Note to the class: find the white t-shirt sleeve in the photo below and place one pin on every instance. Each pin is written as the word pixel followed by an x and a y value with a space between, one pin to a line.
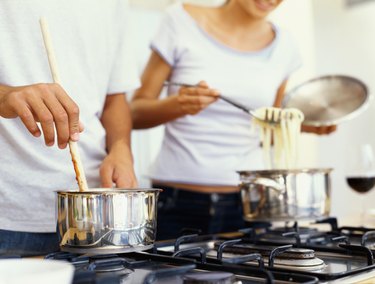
pixel 295 61
pixel 124 76
pixel 164 42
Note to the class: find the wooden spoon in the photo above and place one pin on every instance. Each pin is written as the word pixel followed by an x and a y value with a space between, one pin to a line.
pixel 76 159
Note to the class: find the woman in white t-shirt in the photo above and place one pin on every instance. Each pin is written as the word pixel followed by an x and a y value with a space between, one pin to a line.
pixel 237 52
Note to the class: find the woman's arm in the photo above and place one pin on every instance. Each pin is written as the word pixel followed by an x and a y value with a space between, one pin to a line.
pixel 280 94
pixel 149 111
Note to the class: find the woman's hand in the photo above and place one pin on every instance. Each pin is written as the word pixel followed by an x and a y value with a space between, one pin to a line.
pixel 192 100
pixel 320 130
pixel 48 104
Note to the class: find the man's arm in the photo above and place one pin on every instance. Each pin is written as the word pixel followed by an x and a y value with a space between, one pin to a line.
pixel 117 167
pixel 48 104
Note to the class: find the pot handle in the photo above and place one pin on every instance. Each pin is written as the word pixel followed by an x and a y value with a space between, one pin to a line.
pixel 280 188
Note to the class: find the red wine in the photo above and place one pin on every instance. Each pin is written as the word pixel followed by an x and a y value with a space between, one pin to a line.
pixel 361 184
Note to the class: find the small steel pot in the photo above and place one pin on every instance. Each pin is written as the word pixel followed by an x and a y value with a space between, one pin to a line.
pixel 285 195
pixel 107 220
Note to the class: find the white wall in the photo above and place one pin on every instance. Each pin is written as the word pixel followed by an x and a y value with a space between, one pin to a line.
pixel 345 44
pixel 294 15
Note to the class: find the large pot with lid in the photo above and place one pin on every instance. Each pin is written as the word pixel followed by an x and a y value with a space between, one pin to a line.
pixel 107 220
pixel 285 195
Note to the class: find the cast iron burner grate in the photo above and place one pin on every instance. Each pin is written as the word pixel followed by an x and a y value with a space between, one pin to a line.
pixel 149 268
pixel 209 278
pixel 339 254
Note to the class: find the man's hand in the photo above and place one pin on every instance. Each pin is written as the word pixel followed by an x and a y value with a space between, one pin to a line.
pixel 117 168
pixel 48 104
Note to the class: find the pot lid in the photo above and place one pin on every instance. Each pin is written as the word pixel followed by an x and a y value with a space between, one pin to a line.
pixel 328 100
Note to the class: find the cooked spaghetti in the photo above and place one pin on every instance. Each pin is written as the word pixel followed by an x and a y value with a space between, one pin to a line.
pixel 284 136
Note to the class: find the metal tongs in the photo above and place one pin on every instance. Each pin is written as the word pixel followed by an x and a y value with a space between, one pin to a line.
pixel 271 115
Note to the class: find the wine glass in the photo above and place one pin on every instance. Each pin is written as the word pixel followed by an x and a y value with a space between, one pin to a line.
pixel 361 174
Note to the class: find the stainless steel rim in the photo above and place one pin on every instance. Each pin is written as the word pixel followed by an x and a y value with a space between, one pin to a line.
pixel 286 218
pixel 286 171
pixel 110 191
pixel 106 249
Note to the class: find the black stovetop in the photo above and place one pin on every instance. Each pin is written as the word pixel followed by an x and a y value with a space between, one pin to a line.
pixel 260 253
pixel 147 268
pixel 336 253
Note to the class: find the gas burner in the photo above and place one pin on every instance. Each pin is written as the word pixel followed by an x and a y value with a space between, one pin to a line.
pixel 282 257
pixel 307 264
pixel 297 253
pixel 288 257
pixel 209 278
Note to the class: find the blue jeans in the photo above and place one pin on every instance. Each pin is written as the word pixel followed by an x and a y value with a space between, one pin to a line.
pixel 27 244
pixel 180 209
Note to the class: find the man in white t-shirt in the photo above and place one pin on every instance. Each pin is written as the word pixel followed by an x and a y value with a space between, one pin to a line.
pixel 96 69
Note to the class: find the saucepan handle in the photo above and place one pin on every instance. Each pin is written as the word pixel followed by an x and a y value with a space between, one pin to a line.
pixel 261 186
pixel 267 182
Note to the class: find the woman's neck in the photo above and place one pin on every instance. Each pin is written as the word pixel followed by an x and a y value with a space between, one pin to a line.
pixel 237 18
pixel 233 26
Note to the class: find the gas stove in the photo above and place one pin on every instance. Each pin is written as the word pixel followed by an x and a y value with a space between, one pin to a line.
pixel 260 253
pixel 148 267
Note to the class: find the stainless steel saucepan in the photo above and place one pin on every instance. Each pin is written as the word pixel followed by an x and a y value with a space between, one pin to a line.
pixel 285 195
pixel 107 220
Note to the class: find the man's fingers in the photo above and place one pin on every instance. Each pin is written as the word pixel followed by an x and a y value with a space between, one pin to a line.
pixel 48 104
pixel 81 126
pixel 45 117
pixel 61 120
pixel 15 105
pixel 46 122
pixel 28 120
pixel 124 181
pixel 72 110
pixel 106 177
